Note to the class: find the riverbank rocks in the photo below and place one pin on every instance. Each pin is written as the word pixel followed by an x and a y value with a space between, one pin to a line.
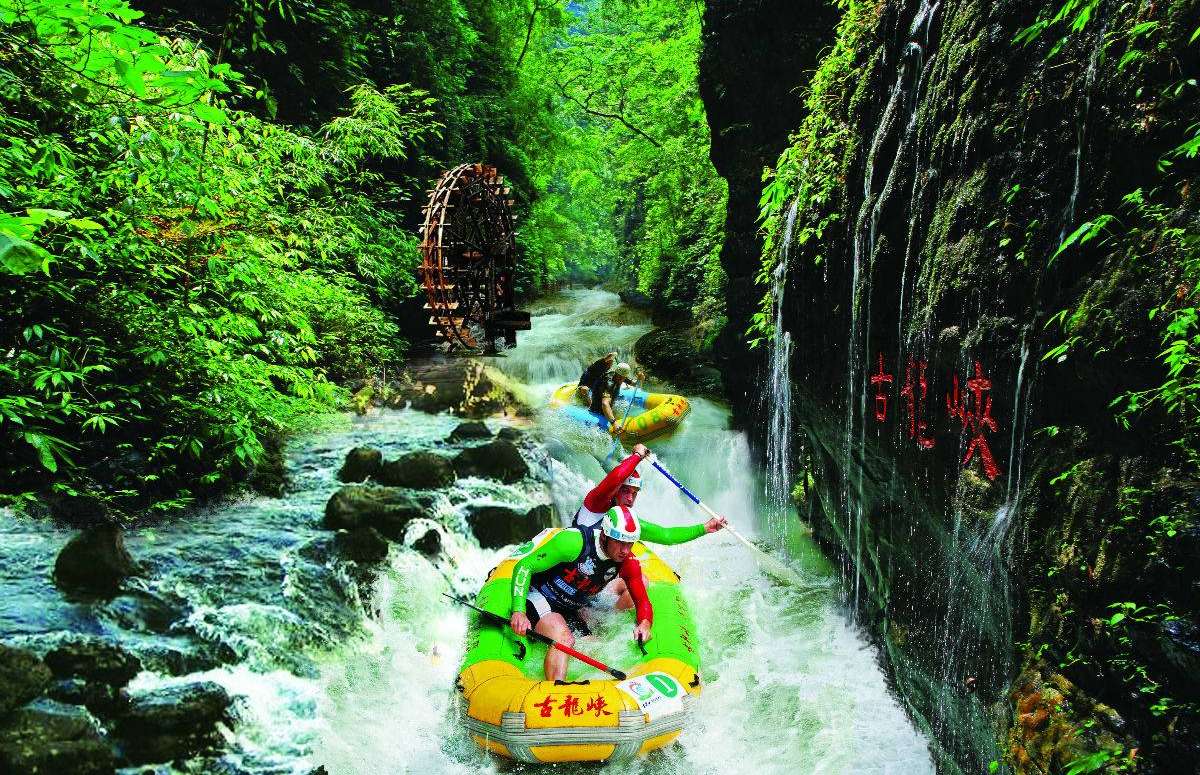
pixel 270 476
pixel 173 722
pixel 469 431
pixel 52 738
pixel 498 459
pixel 636 299
pixel 93 659
pixel 362 463
pixel 418 470
pixel 22 677
pixel 1055 723
pixel 386 509
pixel 94 562
pixel 363 545
pixel 496 526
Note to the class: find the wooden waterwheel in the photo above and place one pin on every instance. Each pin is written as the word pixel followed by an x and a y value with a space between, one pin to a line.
pixel 468 257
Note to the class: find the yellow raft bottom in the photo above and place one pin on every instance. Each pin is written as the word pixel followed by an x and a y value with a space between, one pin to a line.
pixel 661 413
pixel 566 721
pixel 535 720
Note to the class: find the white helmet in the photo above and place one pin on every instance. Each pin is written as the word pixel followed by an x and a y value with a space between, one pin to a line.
pixel 621 524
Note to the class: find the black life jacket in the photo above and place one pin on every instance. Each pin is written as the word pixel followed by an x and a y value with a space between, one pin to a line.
pixel 601 388
pixel 572 584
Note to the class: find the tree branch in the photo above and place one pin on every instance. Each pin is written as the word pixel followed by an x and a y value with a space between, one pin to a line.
pixel 529 28
pixel 586 107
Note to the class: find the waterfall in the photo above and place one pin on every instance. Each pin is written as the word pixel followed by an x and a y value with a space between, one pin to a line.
pixel 779 409
pixel 902 100
pixel 1089 79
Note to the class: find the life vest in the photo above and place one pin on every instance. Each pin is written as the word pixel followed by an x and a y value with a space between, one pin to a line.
pixel 573 584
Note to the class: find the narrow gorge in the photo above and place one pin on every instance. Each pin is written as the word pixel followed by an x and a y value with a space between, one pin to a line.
pixel 962 273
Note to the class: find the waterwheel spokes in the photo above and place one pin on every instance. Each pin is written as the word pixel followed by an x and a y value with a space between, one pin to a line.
pixel 468 254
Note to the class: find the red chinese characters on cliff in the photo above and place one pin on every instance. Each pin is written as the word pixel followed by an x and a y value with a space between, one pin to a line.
pixel 975 413
pixel 879 379
pixel 916 394
pixel 972 409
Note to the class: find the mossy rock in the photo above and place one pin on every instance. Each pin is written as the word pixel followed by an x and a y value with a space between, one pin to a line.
pixel 174 722
pixel 497 526
pixel 363 545
pixel 498 459
pixel 361 464
pixel 94 562
pixel 23 676
pixel 93 659
pixel 385 509
pixel 469 431
pixel 50 737
pixel 418 470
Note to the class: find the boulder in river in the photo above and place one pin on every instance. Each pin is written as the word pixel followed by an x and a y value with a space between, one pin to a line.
pixel 429 544
pixel 362 463
pixel 418 470
pixel 93 659
pixel 22 677
pixel 363 545
pixel 386 509
pixel 498 459
pixel 80 509
pixel 469 431
pixel 101 699
pixel 496 526
pixel 49 737
pixel 95 561
pixel 173 722
pixel 509 433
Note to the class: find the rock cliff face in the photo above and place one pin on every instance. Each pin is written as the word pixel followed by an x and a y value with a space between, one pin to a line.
pixel 1025 555
pixel 756 57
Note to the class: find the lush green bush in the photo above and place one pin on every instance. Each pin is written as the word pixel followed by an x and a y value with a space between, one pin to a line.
pixel 180 278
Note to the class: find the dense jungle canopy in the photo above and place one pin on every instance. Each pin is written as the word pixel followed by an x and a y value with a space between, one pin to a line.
pixel 210 209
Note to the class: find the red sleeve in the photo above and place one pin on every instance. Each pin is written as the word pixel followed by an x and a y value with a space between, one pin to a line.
pixel 600 499
pixel 631 572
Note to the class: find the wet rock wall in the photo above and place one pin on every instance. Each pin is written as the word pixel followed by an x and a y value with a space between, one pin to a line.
pixel 1023 552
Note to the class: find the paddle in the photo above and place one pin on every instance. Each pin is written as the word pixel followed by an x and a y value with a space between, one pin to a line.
pixel 500 621
pixel 766 561
pixel 617 436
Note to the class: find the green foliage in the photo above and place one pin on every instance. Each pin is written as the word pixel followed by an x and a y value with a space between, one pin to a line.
pixel 1154 231
pixel 182 277
pixel 811 169
pixel 1071 17
pixel 631 191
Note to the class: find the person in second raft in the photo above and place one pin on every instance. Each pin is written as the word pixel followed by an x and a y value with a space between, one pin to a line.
pixel 593 374
pixel 606 391
pixel 553 583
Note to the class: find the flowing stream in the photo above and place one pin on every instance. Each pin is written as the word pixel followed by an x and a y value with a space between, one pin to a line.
pixel 248 596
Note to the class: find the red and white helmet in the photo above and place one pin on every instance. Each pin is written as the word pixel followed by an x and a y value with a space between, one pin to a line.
pixel 634 480
pixel 621 524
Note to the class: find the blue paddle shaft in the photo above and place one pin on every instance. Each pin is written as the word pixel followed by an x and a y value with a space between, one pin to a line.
pixel 676 482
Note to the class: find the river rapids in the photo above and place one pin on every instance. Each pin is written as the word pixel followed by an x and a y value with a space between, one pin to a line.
pixel 328 675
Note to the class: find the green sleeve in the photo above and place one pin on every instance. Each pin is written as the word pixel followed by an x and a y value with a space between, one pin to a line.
pixel 563 547
pixel 669 536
